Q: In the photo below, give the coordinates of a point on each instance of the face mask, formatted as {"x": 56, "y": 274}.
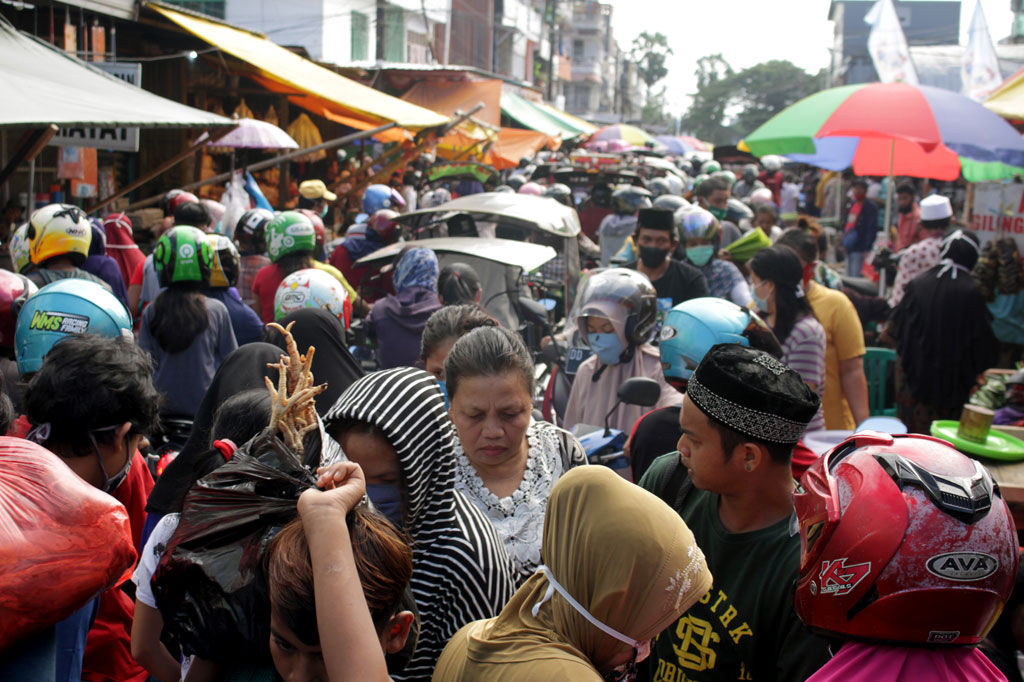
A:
{"x": 111, "y": 483}
{"x": 323, "y": 211}
{"x": 719, "y": 213}
{"x": 700, "y": 255}
{"x": 607, "y": 347}
{"x": 652, "y": 256}
{"x": 760, "y": 304}
{"x": 387, "y": 499}
{"x": 623, "y": 673}
{"x": 444, "y": 392}
{"x": 905, "y": 209}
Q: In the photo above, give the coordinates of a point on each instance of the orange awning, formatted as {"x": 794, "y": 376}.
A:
{"x": 448, "y": 97}
{"x": 514, "y": 144}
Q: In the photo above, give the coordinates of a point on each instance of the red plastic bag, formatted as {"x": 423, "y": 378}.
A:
{"x": 62, "y": 541}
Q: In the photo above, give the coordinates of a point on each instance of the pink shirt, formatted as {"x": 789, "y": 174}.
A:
{"x": 918, "y": 258}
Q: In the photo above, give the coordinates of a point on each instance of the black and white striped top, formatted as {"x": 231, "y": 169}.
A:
{"x": 461, "y": 571}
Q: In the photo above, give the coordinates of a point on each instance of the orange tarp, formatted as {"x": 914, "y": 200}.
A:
{"x": 514, "y": 144}
{"x": 448, "y": 97}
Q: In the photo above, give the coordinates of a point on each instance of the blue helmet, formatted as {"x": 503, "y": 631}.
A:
{"x": 693, "y": 327}
{"x": 61, "y": 308}
{"x": 376, "y": 197}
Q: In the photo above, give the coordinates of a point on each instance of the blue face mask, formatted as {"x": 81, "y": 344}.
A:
{"x": 387, "y": 499}
{"x": 760, "y": 304}
{"x": 607, "y": 347}
{"x": 700, "y": 255}
{"x": 324, "y": 210}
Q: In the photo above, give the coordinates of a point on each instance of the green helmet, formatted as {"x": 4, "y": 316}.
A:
{"x": 290, "y": 232}
{"x": 710, "y": 167}
{"x": 183, "y": 255}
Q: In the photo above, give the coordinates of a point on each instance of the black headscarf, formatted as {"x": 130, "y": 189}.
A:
{"x": 243, "y": 370}
{"x": 332, "y": 363}
{"x": 943, "y": 328}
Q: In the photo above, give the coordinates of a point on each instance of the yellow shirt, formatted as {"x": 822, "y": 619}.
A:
{"x": 844, "y": 339}
{"x": 336, "y": 274}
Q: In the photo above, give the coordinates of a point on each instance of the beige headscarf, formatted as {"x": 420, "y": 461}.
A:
{"x": 623, "y": 554}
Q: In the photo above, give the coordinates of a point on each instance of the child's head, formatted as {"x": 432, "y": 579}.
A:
{"x": 384, "y": 563}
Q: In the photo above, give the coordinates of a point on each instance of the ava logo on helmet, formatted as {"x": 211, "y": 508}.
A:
{"x": 838, "y": 579}
{"x": 963, "y": 566}
{"x": 65, "y": 323}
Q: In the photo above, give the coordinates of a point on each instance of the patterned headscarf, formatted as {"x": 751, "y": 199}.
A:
{"x": 416, "y": 268}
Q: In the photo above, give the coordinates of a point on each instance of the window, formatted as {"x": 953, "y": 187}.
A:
{"x": 577, "y": 50}
{"x": 360, "y": 37}
{"x": 394, "y": 34}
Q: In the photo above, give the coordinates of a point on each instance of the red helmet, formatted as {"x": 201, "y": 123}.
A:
{"x": 318, "y": 226}
{"x": 14, "y": 290}
{"x": 383, "y": 223}
{"x": 904, "y": 540}
{"x": 180, "y": 198}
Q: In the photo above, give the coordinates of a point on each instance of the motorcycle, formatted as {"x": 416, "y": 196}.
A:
{"x": 606, "y": 446}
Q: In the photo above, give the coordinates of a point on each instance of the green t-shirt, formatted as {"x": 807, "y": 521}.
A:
{"x": 745, "y": 627}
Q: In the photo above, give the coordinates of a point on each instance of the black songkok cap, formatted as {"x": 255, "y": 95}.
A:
{"x": 656, "y": 219}
{"x": 752, "y": 393}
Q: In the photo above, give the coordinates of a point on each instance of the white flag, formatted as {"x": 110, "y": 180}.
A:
{"x": 980, "y": 68}
{"x": 888, "y": 46}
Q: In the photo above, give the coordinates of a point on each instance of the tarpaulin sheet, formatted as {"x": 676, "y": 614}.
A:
{"x": 448, "y": 97}
{"x": 529, "y": 115}
{"x": 287, "y": 72}
{"x": 46, "y": 85}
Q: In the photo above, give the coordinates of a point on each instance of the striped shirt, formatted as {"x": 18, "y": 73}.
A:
{"x": 804, "y": 351}
{"x": 461, "y": 572}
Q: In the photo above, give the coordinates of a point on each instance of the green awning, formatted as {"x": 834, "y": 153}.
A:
{"x": 529, "y": 115}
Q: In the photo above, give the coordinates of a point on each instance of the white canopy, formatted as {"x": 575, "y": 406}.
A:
{"x": 46, "y": 85}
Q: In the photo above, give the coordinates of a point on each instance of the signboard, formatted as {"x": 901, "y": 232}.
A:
{"x": 999, "y": 212}
{"x": 116, "y": 139}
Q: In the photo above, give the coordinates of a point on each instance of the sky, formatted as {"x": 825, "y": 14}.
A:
{"x": 748, "y": 32}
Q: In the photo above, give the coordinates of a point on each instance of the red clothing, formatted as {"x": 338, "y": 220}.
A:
{"x": 773, "y": 181}
{"x": 138, "y": 273}
{"x": 341, "y": 260}
{"x": 590, "y": 219}
{"x": 851, "y": 216}
{"x": 264, "y": 288}
{"x": 108, "y": 651}
{"x": 907, "y": 231}
{"x": 122, "y": 248}
{"x": 248, "y": 267}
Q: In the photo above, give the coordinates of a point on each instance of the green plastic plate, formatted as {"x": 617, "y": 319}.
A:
{"x": 999, "y": 445}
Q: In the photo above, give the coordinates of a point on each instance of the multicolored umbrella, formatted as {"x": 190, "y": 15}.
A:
{"x": 682, "y": 144}
{"x": 894, "y": 129}
{"x": 621, "y": 131}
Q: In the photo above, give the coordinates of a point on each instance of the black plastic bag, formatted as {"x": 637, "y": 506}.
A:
{"x": 209, "y": 584}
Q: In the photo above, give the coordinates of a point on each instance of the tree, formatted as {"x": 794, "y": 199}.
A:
{"x": 653, "y": 112}
{"x": 649, "y": 53}
{"x": 729, "y": 105}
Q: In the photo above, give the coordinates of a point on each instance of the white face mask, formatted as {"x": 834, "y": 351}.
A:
{"x": 641, "y": 650}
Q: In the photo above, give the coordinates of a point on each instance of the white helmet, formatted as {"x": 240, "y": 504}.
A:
{"x": 312, "y": 288}
{"x": 771, "y": 163}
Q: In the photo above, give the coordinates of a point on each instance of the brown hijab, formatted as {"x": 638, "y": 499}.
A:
{"x": 621, "y": 553}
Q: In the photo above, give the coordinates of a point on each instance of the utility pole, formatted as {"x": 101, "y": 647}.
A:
{"x": 552, "y": 39}
{"x": 382, "y": 6}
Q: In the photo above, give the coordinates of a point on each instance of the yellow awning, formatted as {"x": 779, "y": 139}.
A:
{"x": 287, "y": 69}
{"x": 1008, "y": 99}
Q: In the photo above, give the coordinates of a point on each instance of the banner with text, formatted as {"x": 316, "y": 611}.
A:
{"x": 114, "y": 139}
{"x": 999, "y": 211}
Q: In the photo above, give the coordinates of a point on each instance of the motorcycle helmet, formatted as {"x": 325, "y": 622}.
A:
{"x": 224, "y": 267}
{"x": 772, "y": 163}
{"x": 726, "y": 175}
{"x": 670, "y": 202}
{"x": 630, "y": 199}
{"x": 659, "y": 186}
{"x": 20, "y": 258}
{"x": 710, "y": 167}
{"x": 181, "y": 197}
{"x": 601, "y": 195}
{"x": 761, "y": 195}
{"x": 312, "y": 288}
{"x": 59, "y": 230}
{"x": 607, "y": 289}
{"x": 165, "y": 201}
{"x": 694, "y": 222}
{"x": 318, "y": 228}
{"x": 685, "y": 166}
{"x": 531, "y": 188}
{"x": 504, "y": 189}
{"x": 183, "y": 256}
{"x": 559, "y": 192}
{"x": 67, "y": 306}
{"x": 383, "y": 223}
{"x": 14, "y": 291}
{"x": 736, "y": 211}
{"x": 376, "y": 197}
{"x": 290, "y": 232}
{"x": 700, "y": 179}
{"x": 903, "y": 540}
{"x": 675, "y": 185}
{"x": 253, "y": 224}
{"x": 693, "y": 327}
{"x": 515, "y": 182}
{"x": 749, "y": 172}
{"x": 435, "y": 197}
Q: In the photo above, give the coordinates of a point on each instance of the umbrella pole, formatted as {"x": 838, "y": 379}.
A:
{"x": 888, "y": 210}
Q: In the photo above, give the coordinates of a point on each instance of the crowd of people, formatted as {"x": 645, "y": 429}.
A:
{"x": 334, "y": 470}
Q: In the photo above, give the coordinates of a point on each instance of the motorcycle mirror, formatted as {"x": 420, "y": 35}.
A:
{"x": 640, "y": 391}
